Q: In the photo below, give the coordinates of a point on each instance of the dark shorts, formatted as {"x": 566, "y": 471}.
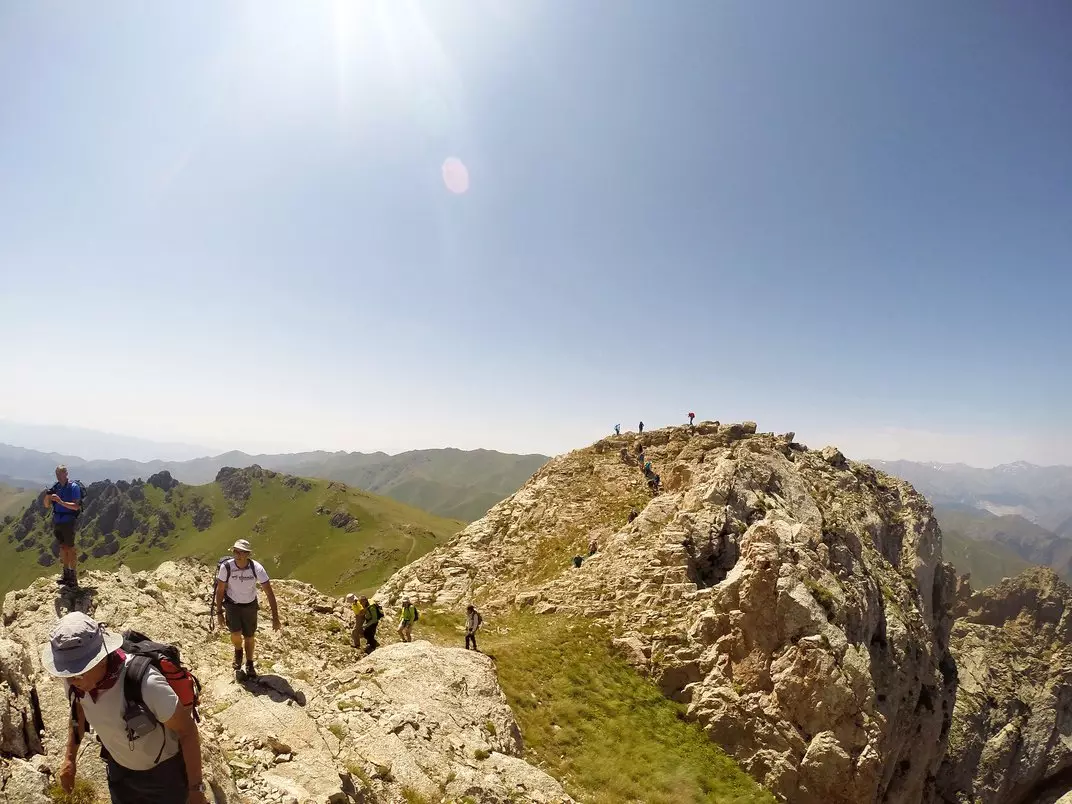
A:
{"x": 164, "y": 784}
{"x": 241, "y": 617}
{"x": 64, "y": 532}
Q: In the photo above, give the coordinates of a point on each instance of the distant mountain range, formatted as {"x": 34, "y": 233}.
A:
{"x": 451, "y": 483}
{"x": 329, "y": 534}
{"x": 1039, "y": 494}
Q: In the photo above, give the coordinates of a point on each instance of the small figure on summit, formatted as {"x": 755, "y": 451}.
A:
{"x": 65, "y": 500}
{"x": 642, "y": 427}
{"x": 236, "y": 601}
{"x": 617, "y": 429}
{"x": 691, "y": 417}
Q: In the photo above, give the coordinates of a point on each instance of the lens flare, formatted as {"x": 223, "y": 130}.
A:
{"x": 455, "y": 175}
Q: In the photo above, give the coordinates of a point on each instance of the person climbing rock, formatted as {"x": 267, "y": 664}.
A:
{"x": 647, "y": 468}
{"x": 359, "y": 620}
{"x": 593, "y": 547}
{"x": 162, "y": 762}
{"x": 625, "y": 455}
{"x": 473, "y": 621}
{"x": 371, "y": 614}
{"x": 642, "y": 427}
{"x": 409, "y": 617}
{"x": 577, "y": 561}
{"x": 65, "y": 500}
{"x": 236, "y": 601}
{"x": 617, "y": 429}
{"x": 691, "y": 417}
{"x": 632, "y": 515}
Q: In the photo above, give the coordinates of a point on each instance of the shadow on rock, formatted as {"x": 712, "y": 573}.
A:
{"x": 275, "y": 687}
{"x": 82, "y": 599}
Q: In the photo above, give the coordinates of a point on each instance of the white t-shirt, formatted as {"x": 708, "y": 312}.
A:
{"x": 106, "y": 717}
{"x": 242, "y": 585}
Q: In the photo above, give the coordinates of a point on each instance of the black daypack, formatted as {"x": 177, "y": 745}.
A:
{"x": 145, "y": 653}
{"x": 55, "y": 489}
{"x": 416, "y": 614}
{"x": 379, "y": 610}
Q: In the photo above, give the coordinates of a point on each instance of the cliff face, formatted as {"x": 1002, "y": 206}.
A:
{"x": 1011, "y": 740}
{"x": 322, "y": 726}
{"x": 795, "y": 601}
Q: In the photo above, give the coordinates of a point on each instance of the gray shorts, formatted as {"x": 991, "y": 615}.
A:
{"x": 241, "y": 617}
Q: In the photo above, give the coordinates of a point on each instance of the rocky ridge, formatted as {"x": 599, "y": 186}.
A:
{"x": 320, "y": 727}
{"x": 795, "y": 601}
{"x": 1011, "y": 740}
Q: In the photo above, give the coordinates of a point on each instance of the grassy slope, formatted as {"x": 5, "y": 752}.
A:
{"x": 14, "y": 500}
{"x": 994, "y": 547}
{"x": 988, "y": 562}
{"x": 592, "y": 722}
{"x": 293, "y": 541}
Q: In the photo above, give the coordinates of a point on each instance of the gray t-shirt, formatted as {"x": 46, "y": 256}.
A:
{"x": 106, "y": 718}
{"x": 242, "y": 585}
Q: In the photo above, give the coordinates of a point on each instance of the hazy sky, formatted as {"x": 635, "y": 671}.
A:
{"x": 229, "y": 223}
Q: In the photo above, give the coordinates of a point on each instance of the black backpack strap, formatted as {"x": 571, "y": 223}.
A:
{"x": 137, "y": 670}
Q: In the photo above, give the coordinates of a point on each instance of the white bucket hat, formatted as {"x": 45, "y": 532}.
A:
{"x": 242, "y": 545}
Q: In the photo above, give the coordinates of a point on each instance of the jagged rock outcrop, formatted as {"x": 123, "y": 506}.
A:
{"x": 323, "y": 726}
{"x": 794, "y": 600}
{"x": 1011, "y": 739}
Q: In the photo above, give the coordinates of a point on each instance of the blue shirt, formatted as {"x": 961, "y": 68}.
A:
{"x": 72, "y": 493}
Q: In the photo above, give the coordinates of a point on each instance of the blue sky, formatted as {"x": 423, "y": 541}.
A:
{"x": 226, "y": 223}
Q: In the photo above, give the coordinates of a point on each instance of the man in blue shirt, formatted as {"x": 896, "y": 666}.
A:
{"x": 65, "y": 500}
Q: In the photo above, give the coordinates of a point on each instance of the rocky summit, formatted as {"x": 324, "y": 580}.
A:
{"x": 795, "y": 601}
{"x": 411, "y": 722}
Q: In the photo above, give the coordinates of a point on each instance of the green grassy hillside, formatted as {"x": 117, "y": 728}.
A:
{"x": 590, "y": 720}
{"x": 13, "y": 500}
{"x": 453, "y": 483}
{"x": 988, "y": 562}
{"x": 994, "y": 547}
{"x": 326, "y": 533}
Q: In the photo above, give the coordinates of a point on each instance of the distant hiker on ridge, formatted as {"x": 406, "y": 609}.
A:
{"x": 642, "y": 427}
{"x": 161, "y": 762}
{"x": 593, "y": 547}
{"x": 691, "y": 417}
{"x": 65, "y": 500}
{"x": 617, "y": 429}
{"x": 409, "y": 617}
{"x": 236, "y": 596}
{"x": 473, "y": 621}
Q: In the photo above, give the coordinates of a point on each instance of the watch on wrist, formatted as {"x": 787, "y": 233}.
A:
{"x": 199, "y": 788}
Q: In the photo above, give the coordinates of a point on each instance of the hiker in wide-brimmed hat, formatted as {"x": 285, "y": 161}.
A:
{"x": 236, "y": 602}
{"x": 151, "y": 747}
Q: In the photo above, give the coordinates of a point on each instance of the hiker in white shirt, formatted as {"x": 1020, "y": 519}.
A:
{"x": 236, "y": 602}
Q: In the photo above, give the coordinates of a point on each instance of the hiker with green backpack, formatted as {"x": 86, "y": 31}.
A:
{"x": 141, "y": 703}
{"x": 410, "y": 615}
{"x": 371, "y": 614}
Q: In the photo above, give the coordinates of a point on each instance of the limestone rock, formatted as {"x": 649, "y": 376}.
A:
{"x": 1011, "y": 739}
{"x": 315, "y": 714}
{"x": 795, "y": 601}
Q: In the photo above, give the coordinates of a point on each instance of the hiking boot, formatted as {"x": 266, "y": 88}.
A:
{"x": 250, "y": 672}
{"x": 66, "y": 579}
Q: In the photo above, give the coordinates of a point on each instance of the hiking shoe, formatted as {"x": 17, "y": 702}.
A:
{"x": 250, "y": 672}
